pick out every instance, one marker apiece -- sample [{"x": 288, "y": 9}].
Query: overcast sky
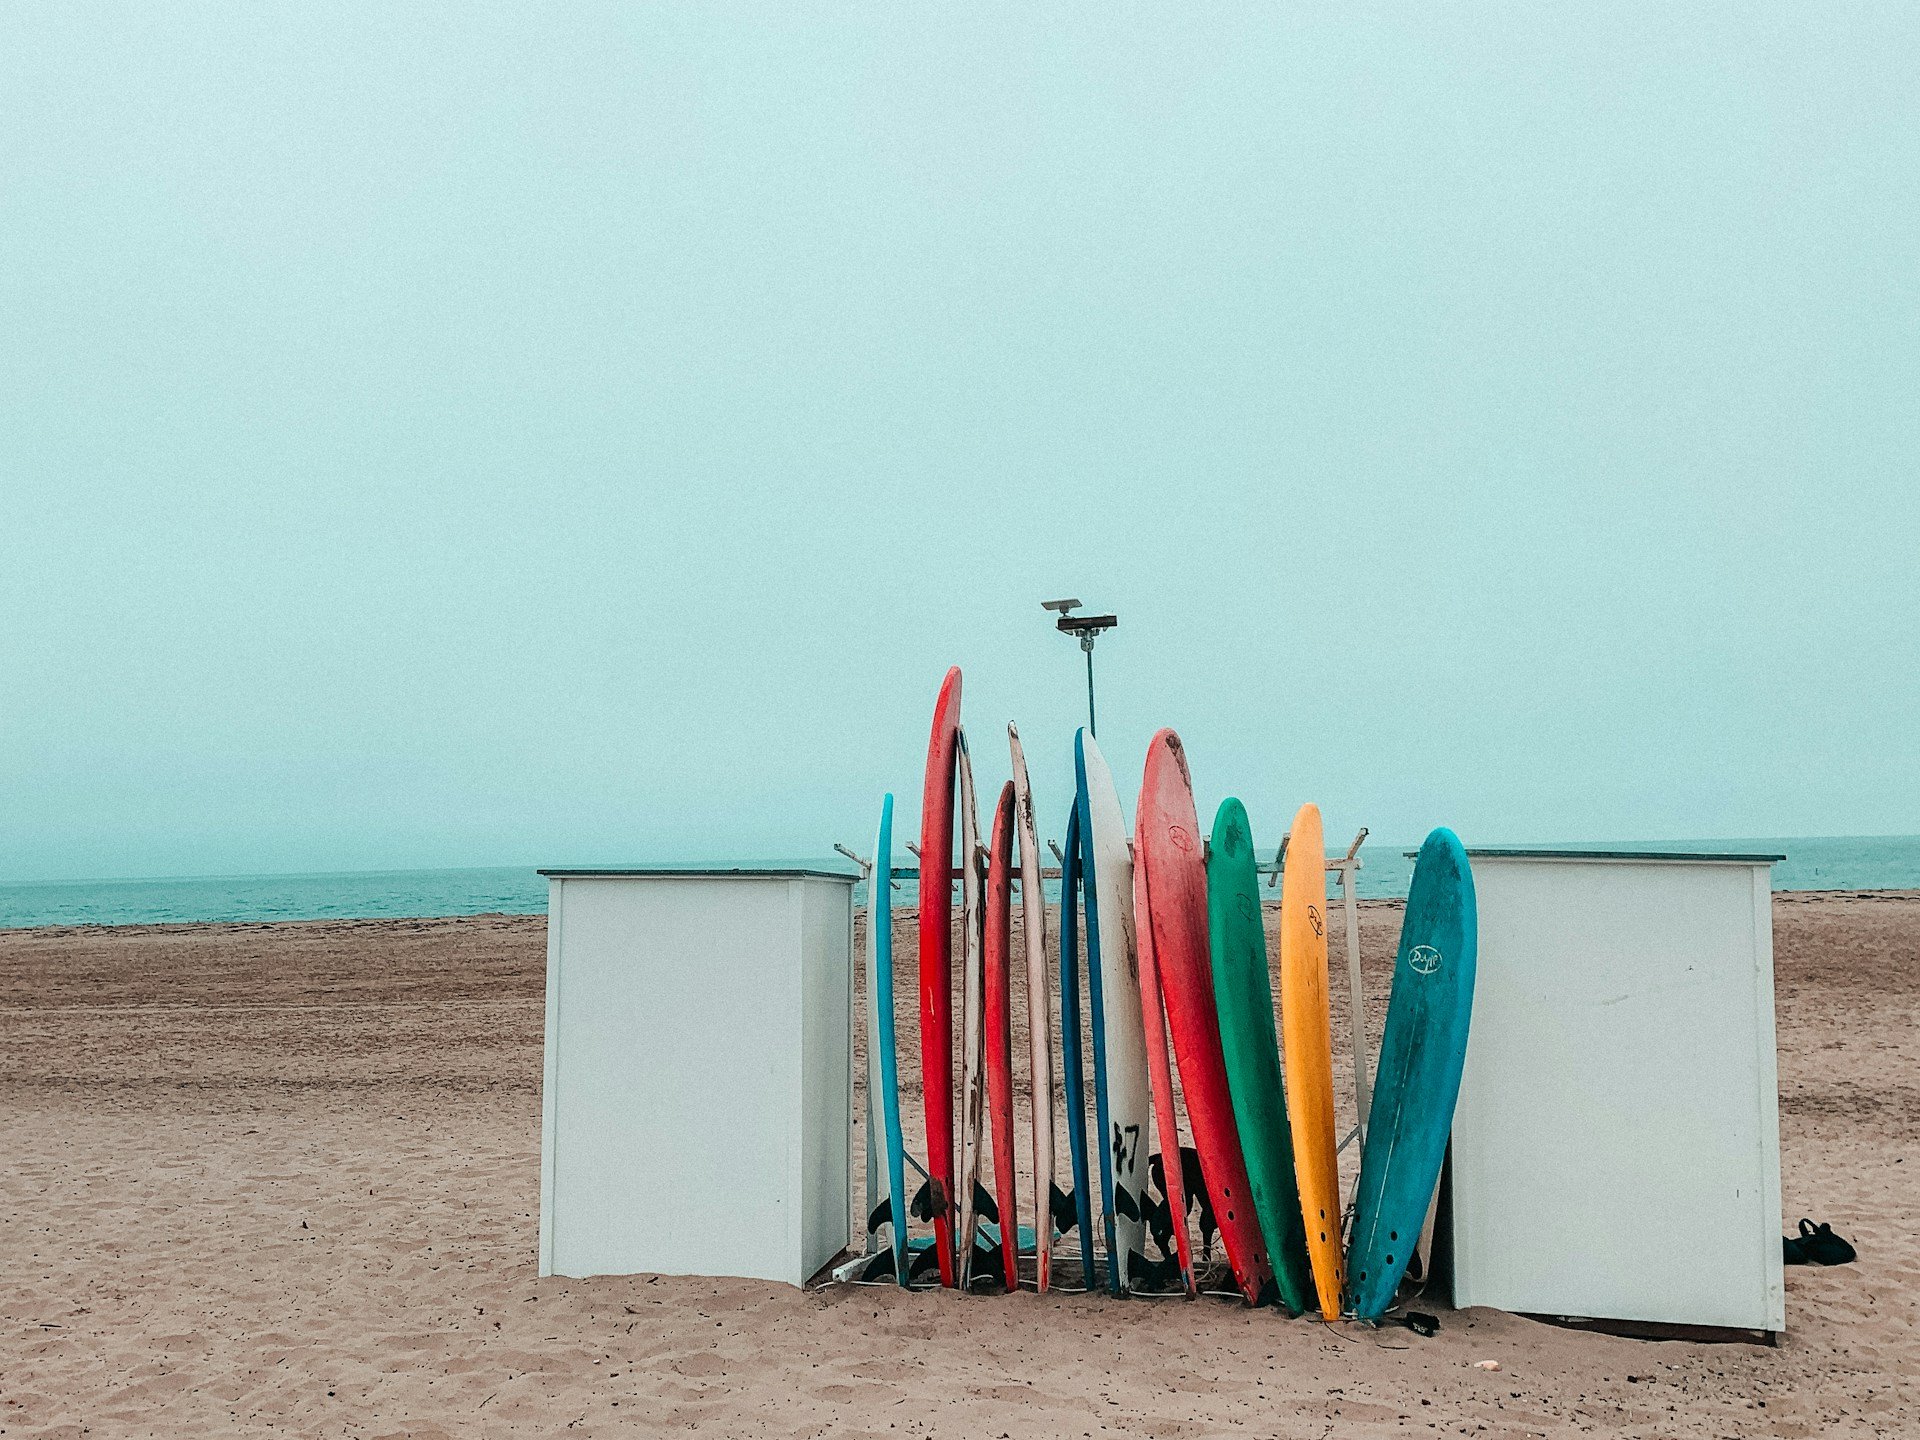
[{"x": 439, "y": 435}]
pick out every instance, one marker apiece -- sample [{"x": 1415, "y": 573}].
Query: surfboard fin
[
  {"x": 1196, "y": 1184},
  {"x": 881, "y": 1268},
  {"x": 1159, "y": 1217},
  {"x": 1196, "y": 1187},
  {"x": 1145, "y": 1274},
  {"x": 882, "y": 1215},
  {"x": 1125, "y": 1204},
  {"x": 1066, "y": 1215},
  {"x": 923, "y": 1260},
  {"x": 924, "y": 1205},
  {"x": 983, "y": 1203},
  {"x": 986, "y": 1266}
]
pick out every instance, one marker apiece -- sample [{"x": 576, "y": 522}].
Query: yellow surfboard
[{"x": 1307, "y": 1030}]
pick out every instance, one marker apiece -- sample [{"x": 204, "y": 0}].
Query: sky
[{"x": 467, "y": 435}]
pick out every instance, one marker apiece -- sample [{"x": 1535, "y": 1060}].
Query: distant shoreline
[
  {"x": 900, "y": 912},
  {"x": 1826, "y": 865}
]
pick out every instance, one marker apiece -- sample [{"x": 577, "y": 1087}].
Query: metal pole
[
  {"x": 1086, "y": 644},
  {"x": 1362, "y": 1084}
]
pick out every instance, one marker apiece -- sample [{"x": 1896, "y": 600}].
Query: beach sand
[{"x": 285, "y": 1177}]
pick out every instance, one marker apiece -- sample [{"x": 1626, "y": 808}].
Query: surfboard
[
  {"x": 999, "y": 1039},
  {"x": 886, "y": 1182},
  {"x": 1306, "y": 1025},
  {"x": 1171, "y": 853},
  {"x": 936, "y": 961},
  {"x": 1422, "y": 1052},
  {"x": 973, "y": 1088},
  {"x": 1072, "y": 1066},
  {"x": 1033, "y": 921},
  {"x": 1243, "y": 995},
  {"x": 1121, "y": 1094},
  {"x": 1166, "y": 1119}
]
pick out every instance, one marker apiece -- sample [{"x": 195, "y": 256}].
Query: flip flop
[{"x": 1816, "y": 1245}]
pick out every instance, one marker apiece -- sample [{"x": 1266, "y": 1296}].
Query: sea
[{"x": 1878, "y": 862}]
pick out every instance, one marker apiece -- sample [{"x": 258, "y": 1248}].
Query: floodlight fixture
[{"x": 1086, "y": 629}]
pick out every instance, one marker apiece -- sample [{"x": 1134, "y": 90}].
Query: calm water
[{"x": 1871, "y": 863}]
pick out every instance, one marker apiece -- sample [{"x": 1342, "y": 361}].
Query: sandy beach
[{"x": 284, "y": 1178}]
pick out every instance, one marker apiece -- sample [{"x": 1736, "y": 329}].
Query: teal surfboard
[
  {"x": 886, "y": 1182},
  {"x": 1421, "y": 1055},
  {"x": 1243, "y": 995}
]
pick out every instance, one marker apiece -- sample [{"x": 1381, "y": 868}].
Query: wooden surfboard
[
  {"x": 936, "y": 961},
  {"x": 1121, "y": 1094},
  {"x": 1177, "y": 918},
  {"x": 1166, "y": 1119},
  {"x": 999, "y": 1039},
  {"x": 1418, "y": 1080},
  {"x": 886, "y": 1182},
  {"x": 1033, "y": 920},
  {"x": 1072, "y": 1071},
  {"x": 1243, "y": 994},
  {"x": 973, "y": 1053},
  {"x": 1307, "y": 1027}
]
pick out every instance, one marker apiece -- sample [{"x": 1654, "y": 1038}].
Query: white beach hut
[
  {"x": 697, "y": 1097},
  {"x": 1616, "y": 1150}
]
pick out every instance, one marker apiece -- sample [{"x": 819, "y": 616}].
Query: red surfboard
[
  {"x": 936, "y": 962},
  {"x": 999, "y": 929},
  {"x": 1169, "y": 836},
  {"x": 1153, "y": 1018}
]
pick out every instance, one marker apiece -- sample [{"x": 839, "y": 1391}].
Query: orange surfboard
[{"x": 1307, "y": 1030}]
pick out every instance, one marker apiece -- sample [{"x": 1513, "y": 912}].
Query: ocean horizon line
[
  {"x": 1813, "y": 862},
  {"x": 1373, "y": 847}
]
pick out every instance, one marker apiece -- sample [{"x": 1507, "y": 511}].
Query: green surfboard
[{"x": 1243, "y": 994}]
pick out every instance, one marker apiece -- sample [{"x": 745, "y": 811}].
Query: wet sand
[{"x": 285, "y": 1178}]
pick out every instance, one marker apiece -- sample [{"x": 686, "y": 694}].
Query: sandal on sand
[{"x": 1816, "y": 1245}]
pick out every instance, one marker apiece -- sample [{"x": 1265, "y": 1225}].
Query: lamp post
[{"x": 1084, "y": 628}]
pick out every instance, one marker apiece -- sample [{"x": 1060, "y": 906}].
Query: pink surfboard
[{"x": 1170, "y": 853}]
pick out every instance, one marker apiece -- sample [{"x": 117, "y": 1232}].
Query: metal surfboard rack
[{"x": 1345, "y": 867}]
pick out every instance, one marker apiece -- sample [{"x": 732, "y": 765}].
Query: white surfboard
[
  {"x": 1129, "y": 1101},
  {"x": 1033, "y": 917},
  {"x": 973, "y": 1088}
]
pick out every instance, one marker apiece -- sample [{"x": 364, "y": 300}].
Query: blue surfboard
[
  {"x": 1103, "y": 1123},
  {"x": 1072, "y": 1076},
  {"x": 1421, "y": 1055}
]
